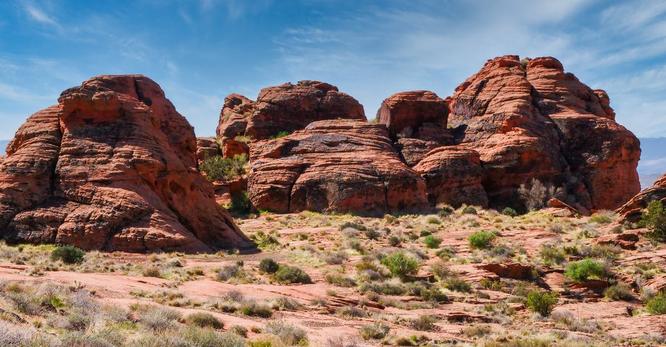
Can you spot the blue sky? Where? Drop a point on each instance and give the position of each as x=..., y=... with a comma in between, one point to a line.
x=200, y=51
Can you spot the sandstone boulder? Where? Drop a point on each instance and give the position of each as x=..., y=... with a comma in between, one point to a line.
x=333, y=165
x=453, y=176
x=111, y=167
x=207, y=147
x=285, y=108
x=600, y=152
x=531, y=120
x=632, y=210
x=404, y=113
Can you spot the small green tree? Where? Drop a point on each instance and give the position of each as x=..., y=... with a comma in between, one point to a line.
x=68, y=254
x=654, y=218
x=400, y=264
x=585, y=269
x=219, y=168
x=541, y=302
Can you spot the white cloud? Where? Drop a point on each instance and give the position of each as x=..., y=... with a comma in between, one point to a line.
x=37, y=14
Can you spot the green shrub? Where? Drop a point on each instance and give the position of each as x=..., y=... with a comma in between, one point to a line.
x=204, y=320
x=432, y=241
x=433, y=220
x=374, y=331
x=219, y=168
x=508, y=211
x=654, y=218
x=268, y=265
x=287, y=333
x=68, y=254
x=290, y=274
x=240, y=204
x=281, y=134
x=541, y=302
x=619, y=291
x=424, y=323
x=585, y=269
x=601, y=218
x=400, y=264
x=481, y=239
x=394, y=241
x=252, y=308
x=657, y=305
x=552, y=255
x=469, y=210
x=457, y=285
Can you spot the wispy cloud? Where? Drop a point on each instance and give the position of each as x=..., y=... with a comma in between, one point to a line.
x=38, y=15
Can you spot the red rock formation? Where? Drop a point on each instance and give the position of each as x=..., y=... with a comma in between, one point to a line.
x=287, y=107
x=404, y=113
x=453, y=176
x=417, y=120
x=599, y=151
x=532, y=120
x=632, y=210
x=112, y=167
x=333, y=165
x=207, y=147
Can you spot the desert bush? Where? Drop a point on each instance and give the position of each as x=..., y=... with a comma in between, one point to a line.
x=68, y=254
x=335, y=258
x=253, y=308
x=432, y=241
x=206, y=337
x=424, y=323
x=477, y=330
x=654, y=218
x=457, y=285
x=351, y=312
x=287, y=333
x=280, y=134
x=218, y=168
x=552, y=255
x=585, y=269
x=602, y=217
x=339, y=280
x=541, y=302
x=433, y=220
x=159, y=318
x=291, y=274
x=619, y=291
x=204, y=320
x=240, y=204
x=152, y=271
x=228, y=272
x=440, y=270
x=536, y=194
x=285, y=303
x=481, y=239
x=400, y=264
x=395, y=241
x=372, y=234
x=469, y=210
x=268, y=265
x=12, y=335
x=374, y=331
x=657, y=305
x=508, y=211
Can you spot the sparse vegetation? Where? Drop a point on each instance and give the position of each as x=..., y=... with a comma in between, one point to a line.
x=204, y=320
x=400, y=264
x=68, y=254
x=536, y=194
x=619, y=291
x=583, y=270
x=432, y=241
x=508, y=211
x=541, y=302
x=268, y=265
x=654, y=218
x=290, y=274
x=374, y=331
x=481, y=239
x=220, y=168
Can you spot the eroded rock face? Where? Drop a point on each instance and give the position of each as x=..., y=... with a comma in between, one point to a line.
x=453, y=176
x=333, y=165
x=406, y=112
x=285, y=108
x=600, y=152
x=111, y=167
x=632, y=210
x=207, y=147
x=531, y=120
